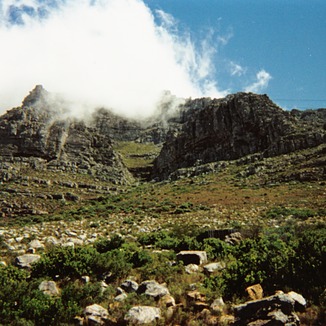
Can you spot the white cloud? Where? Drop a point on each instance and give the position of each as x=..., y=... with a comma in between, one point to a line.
x=236, y=69
x=106, y=53
x=263, y=78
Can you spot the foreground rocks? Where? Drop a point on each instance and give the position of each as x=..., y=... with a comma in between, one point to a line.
x=278, y=309
x=142, y=315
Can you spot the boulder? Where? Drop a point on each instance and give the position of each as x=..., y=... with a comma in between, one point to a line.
x=36, y=244
x=255, y=292
x=192, y=257
x=192, y=268
x=25, y=261
x=95, y=315
x=153, y=289
x=129, y=286
x=50, y=288
x=142, y=315
x=121, y=297
x=213, y=267
x=274, y=310
x=167, y=301
x=218, y=305
x=299, y=301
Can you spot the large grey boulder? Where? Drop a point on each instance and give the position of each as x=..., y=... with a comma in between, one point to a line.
x=153, y=289
x=25, y=261
x=192, y=257
x=95, y=315
x=142, y=315
x=278, y=309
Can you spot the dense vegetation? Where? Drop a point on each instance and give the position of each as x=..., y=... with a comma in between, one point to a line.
x=283, y=258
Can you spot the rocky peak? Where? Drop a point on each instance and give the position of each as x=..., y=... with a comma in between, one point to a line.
x=38, y=94
x=36, y=131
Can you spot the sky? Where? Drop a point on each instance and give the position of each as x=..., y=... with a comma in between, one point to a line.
x=135, y=55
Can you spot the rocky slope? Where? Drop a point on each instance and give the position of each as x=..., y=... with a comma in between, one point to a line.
x=37, y=135
x=233, y=127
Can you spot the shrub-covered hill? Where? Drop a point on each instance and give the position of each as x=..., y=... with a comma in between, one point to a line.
x=80, y=244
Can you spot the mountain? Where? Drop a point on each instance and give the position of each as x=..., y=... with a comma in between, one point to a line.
x=241, y=124
x=39, y=134
x=194, y=206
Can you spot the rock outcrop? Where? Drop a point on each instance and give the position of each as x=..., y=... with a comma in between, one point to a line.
x=236, y=126
x=278, y=309
x=39, y=134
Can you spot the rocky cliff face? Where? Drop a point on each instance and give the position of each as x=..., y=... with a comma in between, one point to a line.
x=238, y=125
x=35, y=132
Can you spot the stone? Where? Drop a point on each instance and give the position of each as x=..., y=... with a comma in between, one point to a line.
x=196, y=296
x=52, y=241
x=142, y=315
x=130, y=286
x=36, y=244
x=121, y=297
x=153, y=289
x=255, y=292
x=233, y=238
x=192, y=268
x=25, y=261
x=96, y=315
x=213, y=267
x=192, y=257
x=85, y=279
x=167, y=301
x=299, y=301
x=274, y=310
x=50, y=288
x=218, y=305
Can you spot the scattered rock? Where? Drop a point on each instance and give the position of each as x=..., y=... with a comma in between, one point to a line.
x=153, y=289
x=142, y=315
x=36, y=244
x=85, y=279
x=299, y=301
x=213, y=267
x=192, y=268
x=121, y=297
x=25, y=261
x=50, y=288
x=218, y=305
x=192, y=257
x=274, y=310
x=96, y=314
x=233, y=238
x=129, y=286
x=255, y=292
x=167, y=301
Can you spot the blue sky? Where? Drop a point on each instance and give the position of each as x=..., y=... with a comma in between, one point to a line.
x=125, y=54
x=287, y=38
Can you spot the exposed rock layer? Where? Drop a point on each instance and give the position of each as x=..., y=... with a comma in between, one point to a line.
x=233, y=127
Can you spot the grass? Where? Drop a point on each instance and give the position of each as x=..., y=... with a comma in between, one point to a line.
x=137, y=155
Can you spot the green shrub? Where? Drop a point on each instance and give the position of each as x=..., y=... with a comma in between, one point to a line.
x=141, y=258
x=300, y=213
x=104, y=245
x=65, y=262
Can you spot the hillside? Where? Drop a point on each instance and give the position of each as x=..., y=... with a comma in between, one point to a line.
x=116, y=200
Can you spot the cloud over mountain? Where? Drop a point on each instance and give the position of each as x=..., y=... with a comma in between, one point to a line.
x=113, y=53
